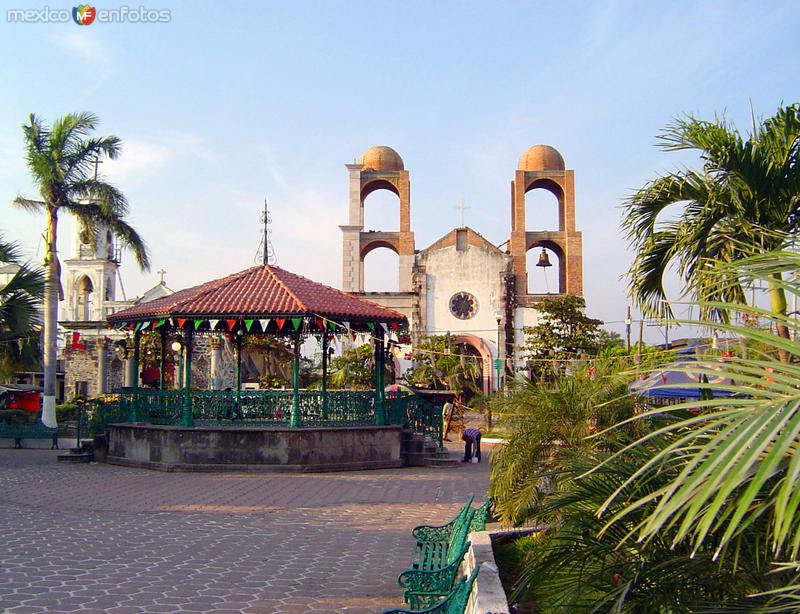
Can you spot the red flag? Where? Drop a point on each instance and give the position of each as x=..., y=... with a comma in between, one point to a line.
x=320, y=324
x=231, y=324
x=281, y=322
x=76, y=342
x=181, y=322
x=394, y=325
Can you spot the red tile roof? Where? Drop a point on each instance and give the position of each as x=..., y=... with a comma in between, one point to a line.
x=261, y=291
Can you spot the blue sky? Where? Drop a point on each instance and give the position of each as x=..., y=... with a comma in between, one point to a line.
x=229, y=103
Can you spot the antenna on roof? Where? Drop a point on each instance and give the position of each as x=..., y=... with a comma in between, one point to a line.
x=266, y=253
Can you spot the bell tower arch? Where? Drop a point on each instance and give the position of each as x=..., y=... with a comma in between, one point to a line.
x=542, y=167
x=379, y=168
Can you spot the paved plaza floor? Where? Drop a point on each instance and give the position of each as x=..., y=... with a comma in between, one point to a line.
x=100, y=538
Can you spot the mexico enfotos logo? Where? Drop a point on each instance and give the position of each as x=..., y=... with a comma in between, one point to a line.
x=86, y=15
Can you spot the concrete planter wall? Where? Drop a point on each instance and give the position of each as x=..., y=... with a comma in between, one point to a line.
x=173, y=448
x=488, y=596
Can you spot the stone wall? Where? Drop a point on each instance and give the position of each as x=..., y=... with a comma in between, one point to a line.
x=172, y=448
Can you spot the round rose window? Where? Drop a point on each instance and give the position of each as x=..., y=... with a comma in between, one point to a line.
x=463, y=305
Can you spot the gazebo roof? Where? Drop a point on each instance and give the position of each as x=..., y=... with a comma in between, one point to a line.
x=260, y=291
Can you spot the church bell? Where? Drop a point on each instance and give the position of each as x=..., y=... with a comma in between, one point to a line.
x=544, y=259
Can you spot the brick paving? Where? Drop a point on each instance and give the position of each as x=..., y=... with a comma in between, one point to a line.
x=99, y=538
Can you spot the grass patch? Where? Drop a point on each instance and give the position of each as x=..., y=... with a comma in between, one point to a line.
x=510, y=554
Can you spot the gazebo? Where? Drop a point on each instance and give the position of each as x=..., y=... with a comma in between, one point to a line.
x=262, y=300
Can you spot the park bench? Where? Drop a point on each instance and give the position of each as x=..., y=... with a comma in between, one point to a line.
x=442, y=532
x=438, y=554
x=18, y=432
x=479, y=519
x=454, y=603
x=423, y=588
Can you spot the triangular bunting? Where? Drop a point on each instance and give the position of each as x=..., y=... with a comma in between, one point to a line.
x=181, y=322
x=198, y=324
x=144, y=325
x=231, y=324
x=137, y=327
x=320, y=323
x=248, y=324
x=296, y=322
x=160, y=323
x=384, y=327
x=264, y=324
x=332, y=325
x=212, y=324
x=371, y=326
x=280, y=322
x=394, y=326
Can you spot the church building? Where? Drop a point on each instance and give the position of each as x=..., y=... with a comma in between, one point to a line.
x=463, y=284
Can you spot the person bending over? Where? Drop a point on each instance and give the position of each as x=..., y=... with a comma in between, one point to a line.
x=472, y=444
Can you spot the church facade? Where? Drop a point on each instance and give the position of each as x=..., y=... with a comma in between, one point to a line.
x=463, y=285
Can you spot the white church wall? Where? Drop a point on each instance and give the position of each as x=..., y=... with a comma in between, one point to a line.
x=475, y=270
x=523, y=317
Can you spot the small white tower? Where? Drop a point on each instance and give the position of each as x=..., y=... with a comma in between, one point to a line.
x=91, y=277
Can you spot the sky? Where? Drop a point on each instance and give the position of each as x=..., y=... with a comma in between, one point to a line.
x=228, y=104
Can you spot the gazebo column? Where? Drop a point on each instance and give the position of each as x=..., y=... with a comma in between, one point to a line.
x=238, y=361
x=324, y=413
x=296, y=422
x=163, y=359
x=186, y=413
x=137, y=337
x=380, y=417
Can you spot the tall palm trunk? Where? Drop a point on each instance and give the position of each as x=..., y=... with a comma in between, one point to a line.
x=50, y=320
x=778, y=304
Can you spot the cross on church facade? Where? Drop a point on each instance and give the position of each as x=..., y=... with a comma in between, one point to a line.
x=462, y=207
x=161, y=274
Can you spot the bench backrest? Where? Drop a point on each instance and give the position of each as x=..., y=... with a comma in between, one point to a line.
x=457, y=602
x=458, y=536
x=479, y=519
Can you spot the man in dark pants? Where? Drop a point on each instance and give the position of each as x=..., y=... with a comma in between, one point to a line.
x=472, y=444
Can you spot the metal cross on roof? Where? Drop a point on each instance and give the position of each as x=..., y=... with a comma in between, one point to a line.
x=462, y=207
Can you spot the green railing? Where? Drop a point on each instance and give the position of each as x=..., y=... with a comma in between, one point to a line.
x=335, y=408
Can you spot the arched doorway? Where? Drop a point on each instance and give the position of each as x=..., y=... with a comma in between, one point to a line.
x=482, y=350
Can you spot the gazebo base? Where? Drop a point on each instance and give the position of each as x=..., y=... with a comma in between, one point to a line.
x=228, y=448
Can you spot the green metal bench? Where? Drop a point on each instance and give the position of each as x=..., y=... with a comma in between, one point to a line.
x=434, y=555
x=442, y=532
x=455, y=602
x=479, y=519
x=423, y=588
x=18, y=432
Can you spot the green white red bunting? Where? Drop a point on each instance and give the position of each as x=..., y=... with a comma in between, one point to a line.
x=264, y=324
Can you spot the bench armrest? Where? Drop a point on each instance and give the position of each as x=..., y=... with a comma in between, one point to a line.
x=428, y=533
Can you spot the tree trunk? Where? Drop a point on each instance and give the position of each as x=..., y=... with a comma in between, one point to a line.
x=778, y=303
x=50, y=321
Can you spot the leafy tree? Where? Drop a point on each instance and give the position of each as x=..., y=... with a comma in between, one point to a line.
x=442, y=365
x=743, y=201
x=20, y=299
x=355, y=369
x=61, y=160
x=545, y=419
x=564, y=332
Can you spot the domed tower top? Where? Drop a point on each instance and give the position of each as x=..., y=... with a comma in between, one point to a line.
x=541, y=158
x=381, y=158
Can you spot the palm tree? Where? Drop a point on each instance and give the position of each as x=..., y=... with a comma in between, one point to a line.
x=20, y=299
x=61, y=159
x=745, y=200
x=733, y=467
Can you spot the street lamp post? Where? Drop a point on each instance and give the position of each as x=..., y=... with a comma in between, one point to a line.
x=498, y=363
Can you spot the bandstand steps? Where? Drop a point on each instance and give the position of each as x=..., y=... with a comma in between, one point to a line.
x=83, y=454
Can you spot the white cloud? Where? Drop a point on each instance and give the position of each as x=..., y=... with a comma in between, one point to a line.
x=86, y=46
x=145, y=156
